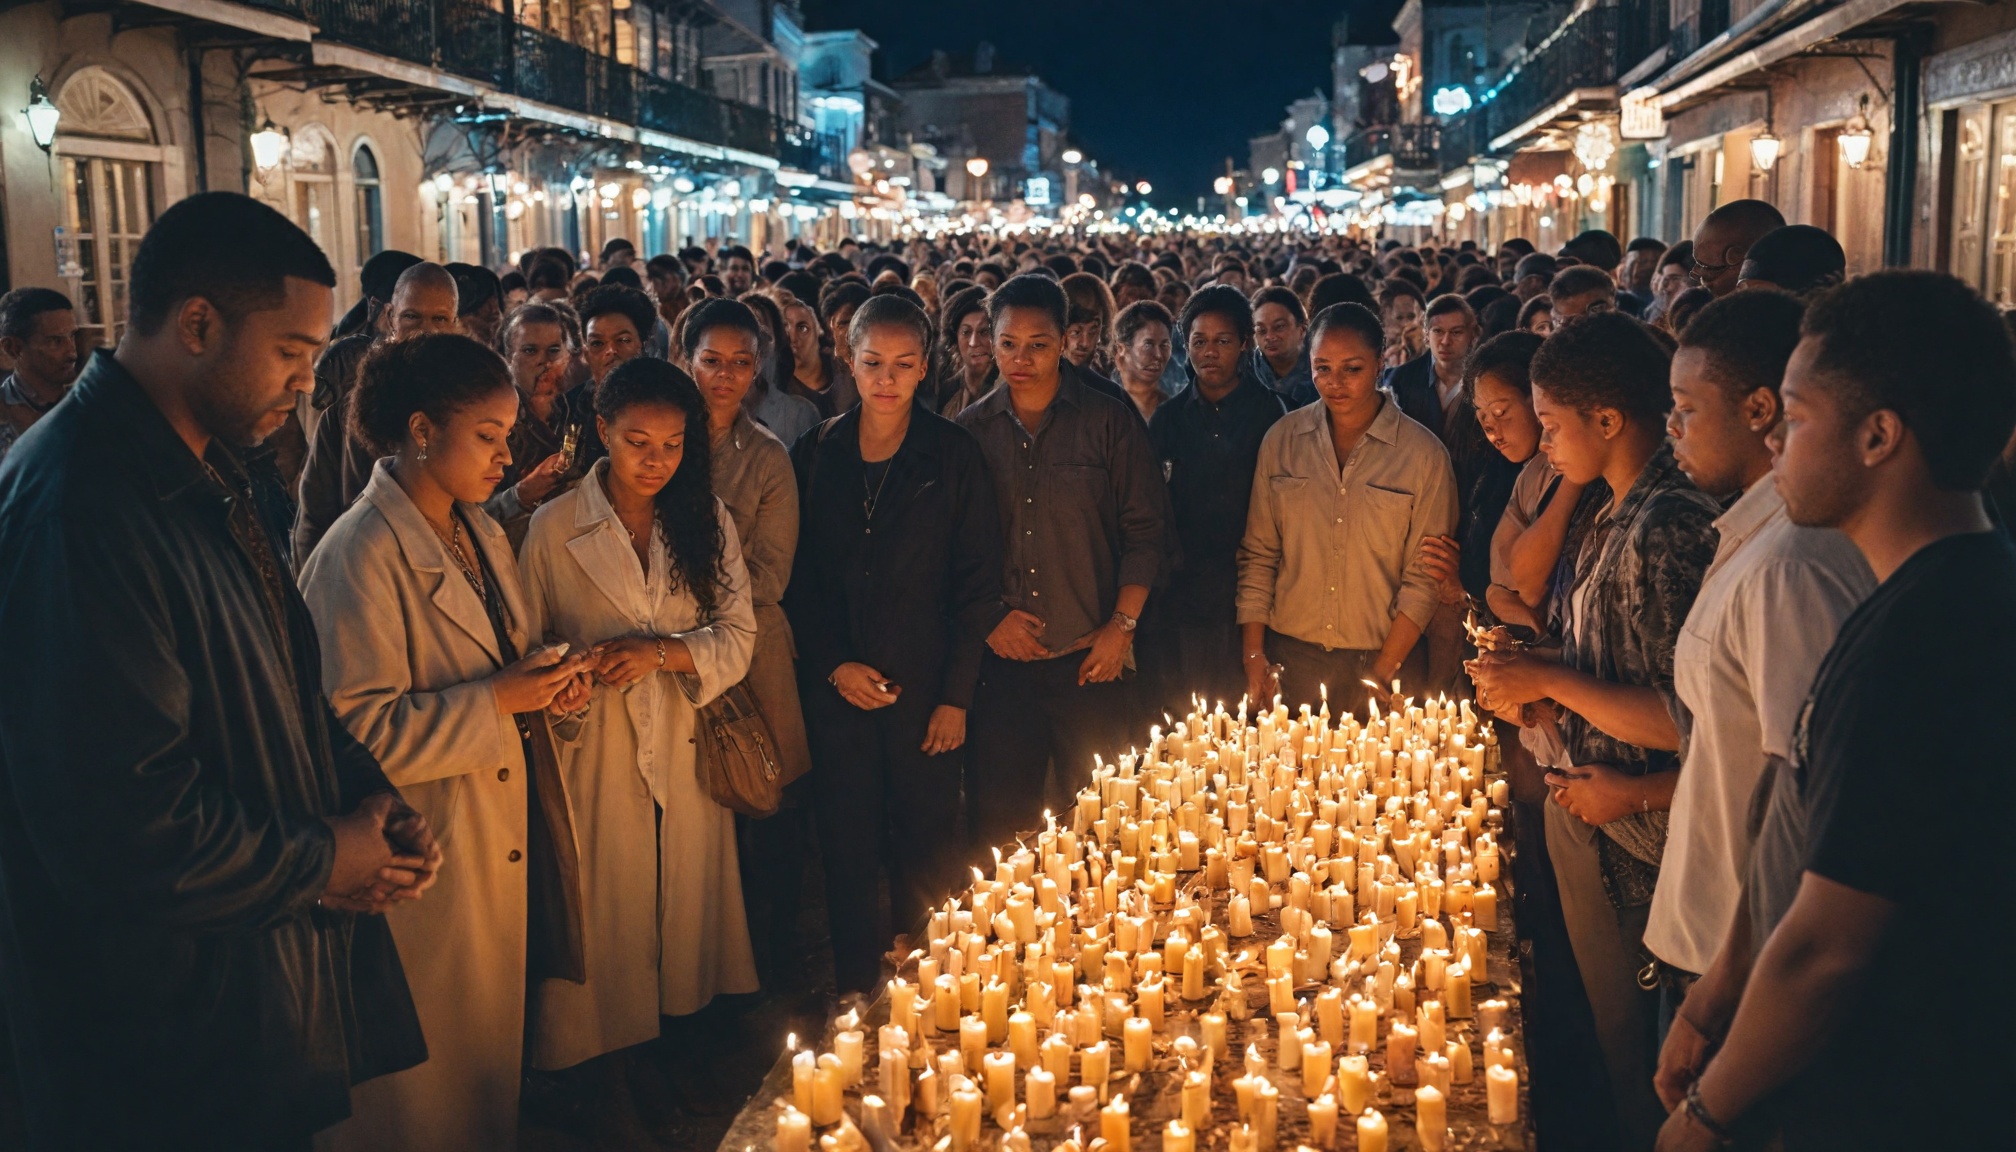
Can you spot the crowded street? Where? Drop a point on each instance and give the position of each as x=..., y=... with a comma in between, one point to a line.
x=826, y=576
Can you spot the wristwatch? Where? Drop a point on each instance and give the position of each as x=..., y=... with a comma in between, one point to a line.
x=1126, y=622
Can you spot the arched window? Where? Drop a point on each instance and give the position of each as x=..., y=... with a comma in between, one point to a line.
x=370, y=204
x=108, y=156
x=312, y=167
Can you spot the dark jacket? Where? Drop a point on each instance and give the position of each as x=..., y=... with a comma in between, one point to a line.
x=1413, y=385
x=912, y=593
x=167, y=758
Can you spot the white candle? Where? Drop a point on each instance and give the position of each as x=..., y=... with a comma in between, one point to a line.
x=794, y=1131
x=1211, y=1026
x=1371, y=1132
x=972, y=1040
x=1354, y=1083
x=1113, y=1126
x=1093, y=1067
x=1137, y=1044
x=1266, y=1115
x=1022, y=1038
x=848, y=1047
x=1323, y=1121
x=1178, y=1137
x=1000, y=1078
x=994, y=1011
x=1501, y=1087
x=1364, y=1023
x=1315, y=1067
x=1431, y=1118
x=1039, y=1089
x=803, y=1066
x=826, y=1091
x=965, y=1119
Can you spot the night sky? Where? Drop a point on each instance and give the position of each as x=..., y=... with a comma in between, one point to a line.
x=1161, y=90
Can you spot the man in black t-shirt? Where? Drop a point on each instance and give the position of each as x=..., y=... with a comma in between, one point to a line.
x=1878, y=879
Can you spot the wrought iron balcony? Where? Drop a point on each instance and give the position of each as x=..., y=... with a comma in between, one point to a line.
x=1412, y=146
x=1583, y=54
x=472, y=39
x=807, y=150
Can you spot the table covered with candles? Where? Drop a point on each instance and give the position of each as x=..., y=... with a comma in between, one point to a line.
x=1248, y=935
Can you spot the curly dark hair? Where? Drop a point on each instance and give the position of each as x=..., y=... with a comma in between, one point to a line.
x=435, y=374
x=1608, y=360
x=620, y=300
x=686, y=505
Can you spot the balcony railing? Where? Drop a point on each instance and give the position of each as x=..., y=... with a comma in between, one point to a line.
x=1412, y=146
x=1696, y=24
x=1582, y=55
x=472, y=39
x=811, y=151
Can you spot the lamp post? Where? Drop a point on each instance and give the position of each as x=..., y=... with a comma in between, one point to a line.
x=976, y=168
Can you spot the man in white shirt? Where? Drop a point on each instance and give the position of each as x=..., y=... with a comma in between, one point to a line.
x=1767, y=612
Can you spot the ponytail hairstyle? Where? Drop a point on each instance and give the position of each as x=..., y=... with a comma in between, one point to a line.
x=686, y=505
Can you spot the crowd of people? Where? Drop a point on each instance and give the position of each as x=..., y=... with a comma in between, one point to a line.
x=360, y=676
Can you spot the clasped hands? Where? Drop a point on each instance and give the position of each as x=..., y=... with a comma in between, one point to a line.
x=1018, y=637
x=385, y=853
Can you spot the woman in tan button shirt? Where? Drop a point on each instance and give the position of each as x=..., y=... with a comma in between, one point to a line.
x=1331, y=586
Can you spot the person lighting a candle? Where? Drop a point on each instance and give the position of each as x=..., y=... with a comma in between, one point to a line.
x=429, y=656
x=1899, y=398
x=1083, y=515
x=896, y=585
x=641, y=561
x=1331, y=585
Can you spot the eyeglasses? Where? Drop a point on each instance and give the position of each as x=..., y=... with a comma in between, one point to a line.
x=1702, y=273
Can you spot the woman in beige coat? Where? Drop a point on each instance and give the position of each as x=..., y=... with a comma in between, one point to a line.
x=641, y=561
x=416, y=597
x=752, y=475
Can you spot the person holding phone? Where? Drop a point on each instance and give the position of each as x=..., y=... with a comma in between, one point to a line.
x=640, y=565
x=898, y=582
x=426, y=638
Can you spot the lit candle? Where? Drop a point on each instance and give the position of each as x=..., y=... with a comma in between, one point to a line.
x=1148, y=1002
x=1460, y=1068
x=965, y=1119
x=1400, y=1045
x=994, y=1011
x=1433, y=1025
x=1330, y=1016
x=1315, y=1067
x=1266, y=1114
x=803, y=1067
x=1501, y=1088
x=826, y=1091
x=1354, y=1083
x=1211, y=1025
x=925, y=1095
x=1364, y=1023
x=847, y=1045
x=1039, y=1089
x=972, y=1040
x=1093, y=1067
x=1371, y=1132
x=1113, y=1126
x=1137, y=1044
x=877, y=1124
x=1484, y=906
x=794, y=1131
x=1431, y=1118
x=1240, y=917
x=1178, y=1137
x=1000, y=1078
x=1022, y=1038
x=1196, y=1100
x=1491, y=1016
x=1323, y=1121
x=892, y=1076
x=1193, y=972
x=945, y=1003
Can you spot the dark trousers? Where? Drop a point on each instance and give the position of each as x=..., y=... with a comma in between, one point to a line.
x=1180, y=659
x=880, y=804
x=1308, y=669
x=773, y=855
x=1024, y=716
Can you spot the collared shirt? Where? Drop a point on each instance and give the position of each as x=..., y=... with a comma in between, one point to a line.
x=1636, y=571
x=1767, y=612
x=18, y=411
x=1296, y=389
x=1332, y=552
x=1208, y=453
x=1081, y=503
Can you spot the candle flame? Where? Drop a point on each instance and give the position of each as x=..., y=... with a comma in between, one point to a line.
x=791, y=1042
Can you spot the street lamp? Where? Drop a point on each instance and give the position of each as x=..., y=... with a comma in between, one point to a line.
x=269, y=144
x=1073, y=156
x=1855, y=138
x=42, y=114
x=1318, y=137
x=1222, y=185
x=1270, y=175
x=977, y=167
x=1144, y=188
x=1764, y=149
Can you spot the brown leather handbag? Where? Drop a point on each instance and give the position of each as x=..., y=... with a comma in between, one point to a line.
x=738, y=754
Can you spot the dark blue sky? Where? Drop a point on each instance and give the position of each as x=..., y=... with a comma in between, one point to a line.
x=1160, y=89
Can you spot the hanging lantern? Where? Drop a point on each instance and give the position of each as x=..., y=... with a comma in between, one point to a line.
x=1855, y=137
x=42, y=113
x=1764, y=149
x=269, y=146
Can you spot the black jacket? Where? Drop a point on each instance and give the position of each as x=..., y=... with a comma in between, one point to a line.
x=912, y=593
x=1413, y=385
x=166, y=761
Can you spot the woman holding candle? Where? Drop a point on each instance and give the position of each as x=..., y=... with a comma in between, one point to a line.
x=642, y=562
x=897, y=585
x=1331, y=585
x=417, y=599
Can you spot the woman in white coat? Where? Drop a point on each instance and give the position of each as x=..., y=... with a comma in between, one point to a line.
x=642, y=562
x=416, y=597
